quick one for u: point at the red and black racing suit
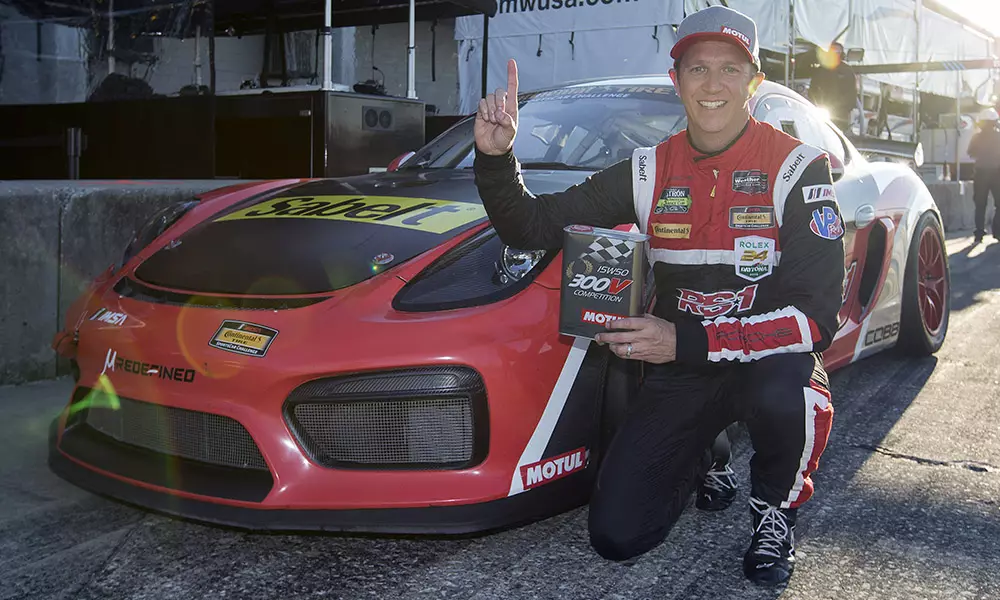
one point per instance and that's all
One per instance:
(748, 262)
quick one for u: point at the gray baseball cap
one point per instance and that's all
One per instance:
(718, 23)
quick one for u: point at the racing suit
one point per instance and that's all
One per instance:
(748, 261)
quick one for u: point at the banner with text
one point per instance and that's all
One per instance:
(533, 17)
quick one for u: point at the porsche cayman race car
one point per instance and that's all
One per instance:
(364, 353)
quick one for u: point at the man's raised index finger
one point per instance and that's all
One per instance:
(512, 82)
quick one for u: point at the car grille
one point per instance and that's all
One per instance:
(194, 435)
(432, 417)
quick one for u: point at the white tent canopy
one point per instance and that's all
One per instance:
(555, 41)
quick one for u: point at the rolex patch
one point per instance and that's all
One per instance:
(754, 257)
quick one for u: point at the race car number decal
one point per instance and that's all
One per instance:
(716, 304)
(422, 214)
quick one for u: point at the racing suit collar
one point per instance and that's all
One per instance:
(736, 148)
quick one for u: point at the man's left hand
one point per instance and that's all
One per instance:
(649, 338)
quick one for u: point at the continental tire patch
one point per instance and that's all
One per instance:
(244, 338)
(421, 214)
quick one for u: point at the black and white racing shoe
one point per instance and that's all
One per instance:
(770, 559)
(718, 490)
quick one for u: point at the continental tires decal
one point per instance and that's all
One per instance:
(421, 214)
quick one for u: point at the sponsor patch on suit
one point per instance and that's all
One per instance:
(752, 181)
(673, 200)
(672, 231)
(754, 257)
(751, 217)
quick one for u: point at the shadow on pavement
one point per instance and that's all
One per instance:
(978, 266)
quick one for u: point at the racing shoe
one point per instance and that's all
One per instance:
(770, 558)
(718, 490)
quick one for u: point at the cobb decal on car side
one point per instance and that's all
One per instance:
(422, 214)
(557, 467)
(239, 337)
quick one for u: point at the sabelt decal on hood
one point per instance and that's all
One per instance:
(305, 244)
(420, 214)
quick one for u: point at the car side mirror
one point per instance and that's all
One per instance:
(394, 165)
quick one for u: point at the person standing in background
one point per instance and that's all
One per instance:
(834, 86)
(984, 148)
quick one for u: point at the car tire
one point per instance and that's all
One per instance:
(926, 291)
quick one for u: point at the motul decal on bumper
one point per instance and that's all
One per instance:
(557, 467)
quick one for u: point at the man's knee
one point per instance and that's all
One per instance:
(613, 546)
(616, 532)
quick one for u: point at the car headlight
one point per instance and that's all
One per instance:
(479, 271)
(154, 227)
(514, 264)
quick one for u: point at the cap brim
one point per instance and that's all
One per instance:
(682, 45)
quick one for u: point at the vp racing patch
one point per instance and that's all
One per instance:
(239, 337)
(421, 214)
(826, 223)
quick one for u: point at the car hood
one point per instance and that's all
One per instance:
(326, 235)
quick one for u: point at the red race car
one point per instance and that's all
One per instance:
(364, 354)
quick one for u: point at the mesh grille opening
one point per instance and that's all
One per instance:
(389, 432)
(432, 417)
(194, 435)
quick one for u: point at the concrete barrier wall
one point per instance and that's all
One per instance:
(55, 237)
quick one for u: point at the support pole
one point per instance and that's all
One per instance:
(197, 56)
(111, 36)
(486, 48)
(958, 123)
(328, 45)
(915, 117)
(411, 54)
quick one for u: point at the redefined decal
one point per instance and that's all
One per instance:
(239, 337)
(422, 214)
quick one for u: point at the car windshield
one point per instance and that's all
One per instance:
(583, 127)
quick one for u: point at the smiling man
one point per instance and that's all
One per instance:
(749, 271)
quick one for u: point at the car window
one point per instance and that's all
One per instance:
(817, 132)
(586, 127)
(801, 121)
(779, 112)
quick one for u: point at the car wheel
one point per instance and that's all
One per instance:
(926, 291)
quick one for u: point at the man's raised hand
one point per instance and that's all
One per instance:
(496, 118)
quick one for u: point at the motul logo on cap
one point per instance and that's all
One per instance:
(557, 467)
(738, 35)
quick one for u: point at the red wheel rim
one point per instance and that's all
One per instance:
(932, 287)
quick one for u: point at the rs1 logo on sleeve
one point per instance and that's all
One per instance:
(715, 304)
(826, 223)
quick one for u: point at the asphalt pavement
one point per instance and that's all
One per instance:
(907, 507)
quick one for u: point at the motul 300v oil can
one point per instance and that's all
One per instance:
(602, 278)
